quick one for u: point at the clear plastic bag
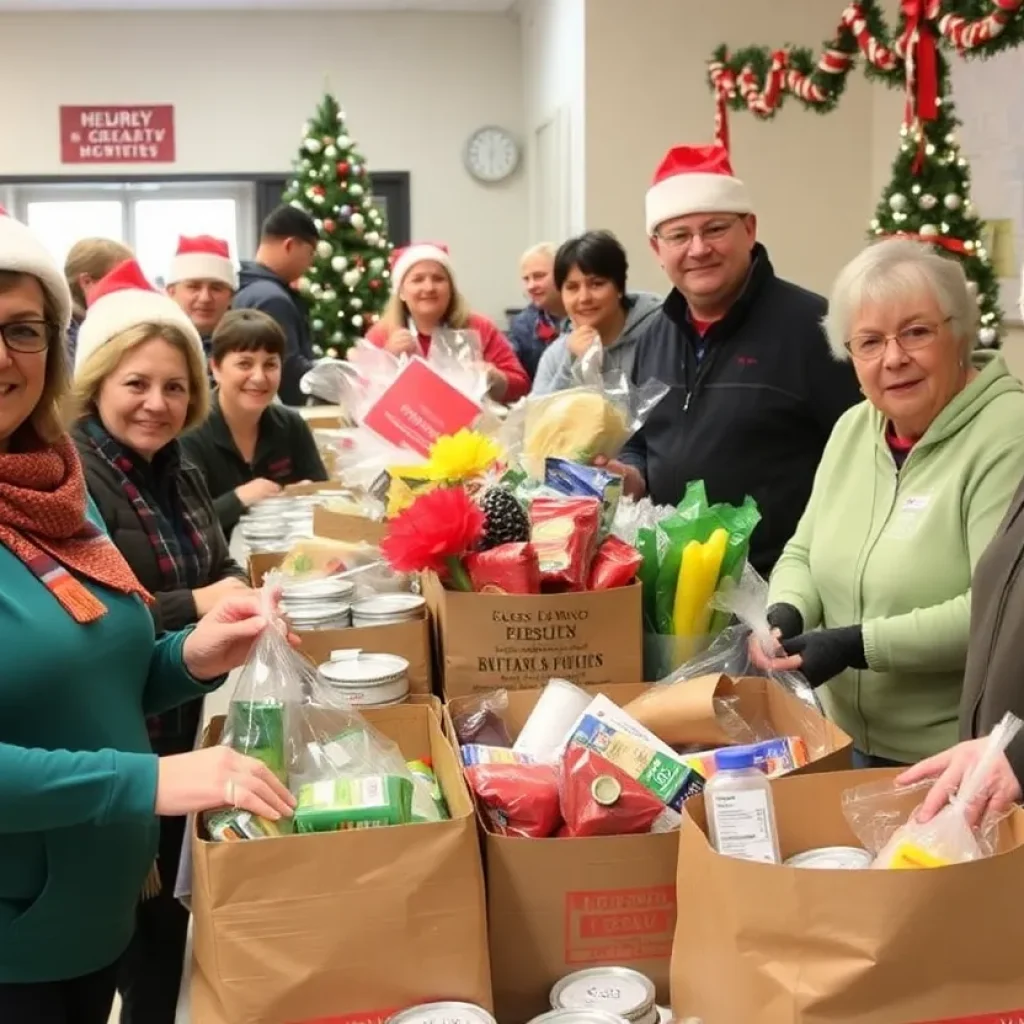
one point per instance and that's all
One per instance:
(480, 720)
(335, 381)
(729, 654)
(343, 772)
(596, 416)
(457, 355)
(883, 817)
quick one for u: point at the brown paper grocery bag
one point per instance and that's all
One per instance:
(345, 925)
(562, 905)
(409, 640)
(767, 944)
(495, 641)
(262, 562)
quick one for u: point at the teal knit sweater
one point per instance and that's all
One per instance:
(77, 777)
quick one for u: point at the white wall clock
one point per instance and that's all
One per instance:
(492, 154)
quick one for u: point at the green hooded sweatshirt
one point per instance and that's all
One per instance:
(895, 550)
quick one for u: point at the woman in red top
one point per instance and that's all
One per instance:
(423, 299)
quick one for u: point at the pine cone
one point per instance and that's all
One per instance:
(507, 521)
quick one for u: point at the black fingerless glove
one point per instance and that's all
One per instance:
(786, 619)
(827, 652)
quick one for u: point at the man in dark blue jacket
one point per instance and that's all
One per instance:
(754, 390)
(287, 246)
(541, 323)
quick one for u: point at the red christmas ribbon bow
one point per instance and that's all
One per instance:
(922, 60)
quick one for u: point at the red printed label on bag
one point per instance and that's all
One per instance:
(1006, 1017)
(615, 925)
(365, 1017)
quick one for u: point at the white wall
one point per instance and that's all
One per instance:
(646, 90)
(414, 87)
(553, 38)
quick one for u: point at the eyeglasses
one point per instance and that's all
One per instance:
(709, 234)
(26, 335)
(869, 347)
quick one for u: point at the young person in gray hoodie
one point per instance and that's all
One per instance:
(590, 274)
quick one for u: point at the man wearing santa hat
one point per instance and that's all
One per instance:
(202, 281)
(755, 391)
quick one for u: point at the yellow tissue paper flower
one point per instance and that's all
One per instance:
(461, 456)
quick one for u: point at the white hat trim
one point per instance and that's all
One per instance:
(417, 254)
(119, 311)
(202, 266)
(23, 253)
(683, 194)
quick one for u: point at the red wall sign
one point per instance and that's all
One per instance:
(117, 135)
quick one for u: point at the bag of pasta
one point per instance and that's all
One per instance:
(595, 417)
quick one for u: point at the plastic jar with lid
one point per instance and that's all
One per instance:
(740, 809)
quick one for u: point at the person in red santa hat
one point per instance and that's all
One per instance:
(424, 299)
(202, 280)
(755, 391)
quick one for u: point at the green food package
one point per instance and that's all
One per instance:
(354, 801)
(696, 520)
(257, 729)
(234, 824)
(428, 803)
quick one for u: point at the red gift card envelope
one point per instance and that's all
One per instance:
(420, 406)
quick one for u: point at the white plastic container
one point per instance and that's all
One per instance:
(553, 717)
(741, 813)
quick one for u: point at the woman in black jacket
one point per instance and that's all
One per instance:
(140, 380)
(250, 446)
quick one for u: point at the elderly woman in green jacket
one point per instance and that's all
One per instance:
(872, 594)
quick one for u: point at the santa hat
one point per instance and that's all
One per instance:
(203, 258)
(694, 179)
(403, 260)
(23, 253)
(122, 300)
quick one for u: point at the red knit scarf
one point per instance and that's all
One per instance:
(43, 522)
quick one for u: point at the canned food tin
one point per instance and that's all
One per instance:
(323, 589)
(261, 526)
(269, 507)
(367, 679)
(271, 545)
(443, 1013)
(385, 609)
(305, 615)
(257, 728)
(619, 990)
(583, 1015)
(843, 858)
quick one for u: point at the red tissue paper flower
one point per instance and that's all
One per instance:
(434, 532)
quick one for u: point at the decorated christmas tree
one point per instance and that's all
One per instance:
(348, 284)
(929, 197)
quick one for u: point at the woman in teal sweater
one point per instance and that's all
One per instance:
(873, 590)
(80, 789)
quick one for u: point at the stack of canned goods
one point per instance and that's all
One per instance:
(274, 523)
(323, 603)
(620, 992)
(387, 609)
(367, 680)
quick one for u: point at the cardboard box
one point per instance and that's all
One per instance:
(314, 488)
(770, 944)
(262, 562)
(353, 925)
(353, 529)
(555, 906)
(491, 641)
(409, 640)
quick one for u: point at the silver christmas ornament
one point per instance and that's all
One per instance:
(952, 201)
(897, 201)
(927, 201)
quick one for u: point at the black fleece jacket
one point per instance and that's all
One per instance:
(752, 415)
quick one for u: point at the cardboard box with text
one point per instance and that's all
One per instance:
(493, 641)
